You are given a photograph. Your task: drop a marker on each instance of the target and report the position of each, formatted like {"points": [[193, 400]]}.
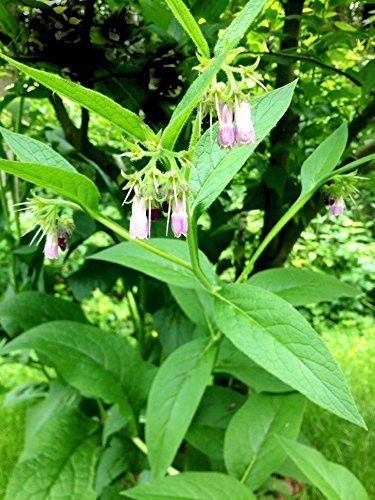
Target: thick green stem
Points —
{"points": [[292, 212], [192, 240], [13, 270]]}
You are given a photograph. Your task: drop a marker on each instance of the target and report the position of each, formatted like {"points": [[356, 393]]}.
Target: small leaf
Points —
{"points": [[192, 486], [278, 338], [187, 21], [251, 451], [324, 159], [216, 167], [333, 480], [33, 151], [30, 309], [174, 398], [128, 121], [71, 185], [129, 254], [239, 26], [300, 286]]}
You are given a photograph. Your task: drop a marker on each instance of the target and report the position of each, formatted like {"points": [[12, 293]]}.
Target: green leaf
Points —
{"points": [[99, 364], [71, 185], [128, 121], [300, 287], [192, 486], [173, 327], [251, 451], [196, 304], [187, 21], [33, 151], [207, 430], [190, 101], [239, 26], [274, 335], [29, 309], [113, 462], [215, 167], [236, 364], [174, 398], [129, 254], [8, 20], [333, 480], [62, 463], [323, 160]]}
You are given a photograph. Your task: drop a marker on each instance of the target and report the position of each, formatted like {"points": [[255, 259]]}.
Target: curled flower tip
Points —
{"points": [[244, 131], [336, 205], [225, 136], [138, 220], [51, 248], [179, 217]]}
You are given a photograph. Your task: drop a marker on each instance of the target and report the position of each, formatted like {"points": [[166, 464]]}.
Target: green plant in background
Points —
{"points": [[214, 407]]}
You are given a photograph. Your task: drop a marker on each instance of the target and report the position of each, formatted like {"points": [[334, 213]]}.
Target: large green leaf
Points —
{"points": [[100, 364], [62, 462], [33, 151], [189, 102], [28, 309], [239, 26], [274, 335], [71, 185], [174, 398], [131, 255], [302, 286], [236, 364], [192, 486], [128, 121], [333, 480], [251, 451], [187, 21], [196, 304], [324, 159], [215, 167]]}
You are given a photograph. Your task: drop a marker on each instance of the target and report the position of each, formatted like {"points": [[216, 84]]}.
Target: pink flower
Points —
{"points": [[244, 131], [179, 217], [51, 248], [336, 205], [225, 136], [138, 221]]}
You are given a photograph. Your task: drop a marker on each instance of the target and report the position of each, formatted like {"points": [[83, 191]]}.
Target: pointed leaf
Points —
{"points": [[129, 254], [174, 398], [187, 21], [128, 121], [216, 167], [278, 338], [33, 151], [192, 486], [251, 451], [302, 286], [239, 26], [333, 480], [324, 159], [71, 185], [100, 364]]}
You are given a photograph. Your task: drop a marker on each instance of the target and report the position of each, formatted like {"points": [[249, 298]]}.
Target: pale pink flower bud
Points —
{"points": [[336, 205], [138, 220], [244, 131], [179, 217], [51, 248], [225, 136]]}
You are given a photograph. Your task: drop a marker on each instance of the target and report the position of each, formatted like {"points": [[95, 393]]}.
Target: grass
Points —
{"points": [[353, 345]]}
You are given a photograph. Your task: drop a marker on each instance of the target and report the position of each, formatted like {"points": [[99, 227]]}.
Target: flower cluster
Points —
{"points": [[54, 226], [243, 132], [153, 190], [341, 187]]}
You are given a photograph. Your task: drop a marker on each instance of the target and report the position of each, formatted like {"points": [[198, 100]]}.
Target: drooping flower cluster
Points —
{"points": [[341, 187], [53, 225], [242, 132]]}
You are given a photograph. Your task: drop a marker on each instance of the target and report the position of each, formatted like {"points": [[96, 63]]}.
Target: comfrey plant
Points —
{"points": [[341, 188], [163, 400]]}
